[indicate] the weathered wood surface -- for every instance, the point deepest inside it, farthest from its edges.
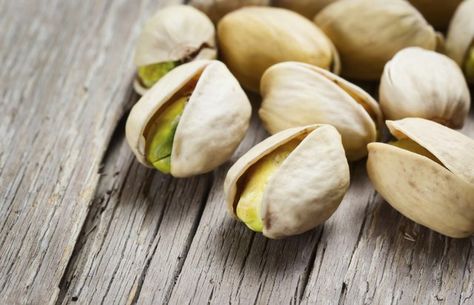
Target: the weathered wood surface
(81, 222)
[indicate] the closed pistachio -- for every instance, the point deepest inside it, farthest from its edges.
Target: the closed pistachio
(424, 84)
(297, 94)
(367, 33)
(173, 36)
(289, 183)
(307, 8)
(427, 175)
(254, 38)
(460, 41)
(190, 121)
(216, 9)
(438, 13)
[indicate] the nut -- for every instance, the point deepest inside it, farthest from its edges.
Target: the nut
(307, 8)
(428, 175)
(173, 36)
(437, 13)
(216, 9)
(460, 41)
(297, 94)
(254, 38)
(424, 84)
(367, 33)
(289, 183)
(190, 121)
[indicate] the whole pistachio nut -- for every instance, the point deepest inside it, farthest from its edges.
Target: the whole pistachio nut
(216, 9)
(298, 94)
(173, 36)
(367, 33)
(190, 121)
(307, 8)
(427, 175)
(460, 41)
(289, 183)
(438, 13)
(254, 38)
(425, 84)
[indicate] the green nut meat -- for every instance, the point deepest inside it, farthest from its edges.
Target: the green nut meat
(469, 65)
(150, 74)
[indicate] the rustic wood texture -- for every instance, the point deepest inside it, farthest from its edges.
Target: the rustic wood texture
(81, 222)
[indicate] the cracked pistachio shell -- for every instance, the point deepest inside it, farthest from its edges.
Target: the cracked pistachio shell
(254, 38)
(460, 40)
(216, 9)
(438, 195)
(297, 94)
(424, 84)
(367, 33)
(212, 124)
(307, 8)
(308, 186)
(175, 33)
(438, 13)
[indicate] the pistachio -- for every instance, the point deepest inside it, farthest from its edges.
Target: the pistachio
(254, 38)
(173, 36)
(460, 41)
(438, 13)
(424, 84)
(289, 183)
(307, 8)
(367, 33)
(428, 175)
(216, 9)
(297, 94)
(190, 121)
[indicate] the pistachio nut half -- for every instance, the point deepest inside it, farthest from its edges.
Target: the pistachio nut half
(367, 33)
(425, 84)
(438, 13)
(173, 36)
(307, 8)
(254, 38)
(216, 9)
(289, 183)
(190, 121)
(427, 175)
(298, 94)
(460, 40)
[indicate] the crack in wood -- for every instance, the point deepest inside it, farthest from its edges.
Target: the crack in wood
(308, 271)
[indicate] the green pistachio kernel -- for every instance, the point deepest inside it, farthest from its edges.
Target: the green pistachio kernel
(160, 143)
(414, 147)
(255, 181)
(150, 74)
(469, 64)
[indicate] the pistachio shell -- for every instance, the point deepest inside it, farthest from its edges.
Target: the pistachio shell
(306, 189)
(213, 122)
(275, 35)
(438, 13)
(367, 33)
(297, 94)
(425, 84)
(216, 9)
(307, 8)
(439, 195)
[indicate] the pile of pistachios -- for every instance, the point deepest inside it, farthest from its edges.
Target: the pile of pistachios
(195, 63)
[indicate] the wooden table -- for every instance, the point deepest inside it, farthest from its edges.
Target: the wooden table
(81, 222)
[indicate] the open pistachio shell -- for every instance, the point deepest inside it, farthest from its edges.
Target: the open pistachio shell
(174, 35)
(216, 9)
(367, 33)
(307, 8)
(425, 84)
(438, 13)
(254, 38)
(307, 187)
(213, 123)
(460, 40)
(435, 190)
(297, 94)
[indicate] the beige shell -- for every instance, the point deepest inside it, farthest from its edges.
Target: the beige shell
(308, 186)
(307, 8)
(367, 33)
(212, 125)
(424, 84)
(216, 9)
(175, 33)
(437, 195)
(438, 13)
(297, 94)
(254, 38)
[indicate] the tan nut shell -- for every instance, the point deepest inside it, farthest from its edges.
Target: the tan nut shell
(440, 197)
(216, 9)
(254, 38)
(212, 125)
(424, 84)
(438, 13)
(367, 33)
(297, 94)
(306, 189)
(307, 8)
